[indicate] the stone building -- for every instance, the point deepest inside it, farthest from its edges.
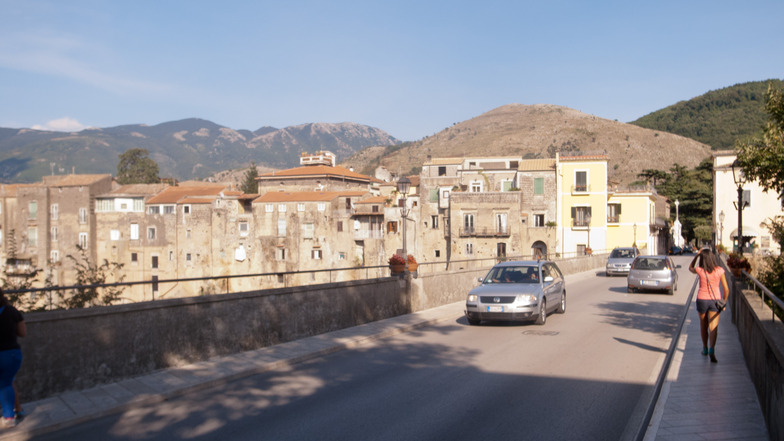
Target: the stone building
(44, 223)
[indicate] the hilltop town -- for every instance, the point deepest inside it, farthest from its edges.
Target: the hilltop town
(315, 223)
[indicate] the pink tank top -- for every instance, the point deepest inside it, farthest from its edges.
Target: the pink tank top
(715, 282)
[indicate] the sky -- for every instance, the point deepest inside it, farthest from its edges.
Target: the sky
(408, 67)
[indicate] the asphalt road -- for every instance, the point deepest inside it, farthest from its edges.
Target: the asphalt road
(585, 375)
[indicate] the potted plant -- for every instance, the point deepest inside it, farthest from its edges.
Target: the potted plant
(737, 262)
(397, 264)
(412, 263)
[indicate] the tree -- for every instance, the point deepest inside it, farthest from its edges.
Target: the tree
(762, 158)
(135, 167)
(89, 274)
(250, 185)
(653, 175)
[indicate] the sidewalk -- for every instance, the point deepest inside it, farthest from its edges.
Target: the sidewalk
(76, 407)
(701, 400)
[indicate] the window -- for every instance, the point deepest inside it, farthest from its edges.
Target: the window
(282, 227)
(168, 209)
(187, 257)
(340, 226)
(301, 206)
(280, 254)
(442, 171)
(468, 223)
(134, 232)
(307, 230)
(83, 241)
(538, 185)
(151, 233)
(54, 233)
(507, 186)
(341, 255)
(54, 256)
(243, 227)
(469, 248)
(138, 205)
(269, 208)
(476, 187)
(32, 210)
(322, 206)
(154, 209)
(392, 227)
(374, 209)
(171, 256)
(114, 235)
(316, 254)
(82, 215)
(436, 253)
(188, 233)
(581, 216)
(54, 210)
(434, 221)
(134, 257)
(281, 208)
(613, 213)
(500, 223)
(104, 205)
(581, 181)
(32, 237)
(433, 195)
(154, 284)
(154, 262)
(186, 209)
(539, 220)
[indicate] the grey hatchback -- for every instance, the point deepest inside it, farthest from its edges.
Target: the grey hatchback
(655, 273)
(518, 291)
(620, 261)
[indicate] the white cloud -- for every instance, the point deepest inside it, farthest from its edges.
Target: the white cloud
(61, 125)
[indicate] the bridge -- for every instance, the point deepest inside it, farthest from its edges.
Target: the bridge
(615, 366)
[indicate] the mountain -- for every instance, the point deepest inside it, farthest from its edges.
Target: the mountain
(538, 131)
(187, 149)
(717, 118)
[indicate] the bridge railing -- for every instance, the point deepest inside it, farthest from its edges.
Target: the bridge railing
(776, 305)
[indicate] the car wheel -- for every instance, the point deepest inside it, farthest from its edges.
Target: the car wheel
(629, 289)
(473, 322)
(671, 291)
(562, 306)
(542, 318)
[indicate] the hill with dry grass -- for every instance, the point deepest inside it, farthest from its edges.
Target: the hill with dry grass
(538, 131)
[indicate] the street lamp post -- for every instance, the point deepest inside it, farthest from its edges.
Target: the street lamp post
(721, 228)
(737, 176)
(635, 234)
(588, 223)
(403, 185)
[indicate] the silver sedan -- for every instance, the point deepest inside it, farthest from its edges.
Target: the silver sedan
(518, 291)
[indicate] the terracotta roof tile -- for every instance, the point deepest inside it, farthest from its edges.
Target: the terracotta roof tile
(537, 164)
(584, 158)
(372, 200)
(73, 180)
(172, 195)
(315, 170)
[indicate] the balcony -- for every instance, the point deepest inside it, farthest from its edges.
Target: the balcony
(368, 234)
(484, 232)
(581, 189)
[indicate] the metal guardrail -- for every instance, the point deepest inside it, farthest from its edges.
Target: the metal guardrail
(765, 292)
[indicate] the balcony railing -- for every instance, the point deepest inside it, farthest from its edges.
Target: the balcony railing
(484, 232)
(581, 189)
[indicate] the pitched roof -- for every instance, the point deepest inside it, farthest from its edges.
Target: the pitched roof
(584, 158)
(73, 180)
(172, 195)
(372, 200)
(537, 164)
(313, 171)
(305, 196)
(445, 161)
(131, 190)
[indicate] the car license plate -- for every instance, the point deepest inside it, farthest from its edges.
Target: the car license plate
(495, 309)
(650, 282)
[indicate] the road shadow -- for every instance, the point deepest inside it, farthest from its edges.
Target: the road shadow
(649, 316)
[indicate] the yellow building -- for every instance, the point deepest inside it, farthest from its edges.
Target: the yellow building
(631, 219)
(582, 207)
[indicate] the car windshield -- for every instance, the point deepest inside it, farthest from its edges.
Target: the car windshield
(621, 254)
(649, 263)
(513, 274)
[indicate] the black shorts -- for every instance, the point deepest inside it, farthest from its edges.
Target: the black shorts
(704, 306)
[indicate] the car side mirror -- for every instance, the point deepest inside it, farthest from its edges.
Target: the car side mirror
(548, 279)
(480, 279)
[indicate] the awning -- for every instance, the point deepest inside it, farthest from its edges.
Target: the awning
(747, 232)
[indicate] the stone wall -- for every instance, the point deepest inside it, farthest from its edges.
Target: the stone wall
(762, 339)
(81, 348)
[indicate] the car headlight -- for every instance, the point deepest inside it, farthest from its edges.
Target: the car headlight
(526, 298)
(473, 297)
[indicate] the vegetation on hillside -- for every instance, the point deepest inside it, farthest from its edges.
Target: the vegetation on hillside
(717, 118)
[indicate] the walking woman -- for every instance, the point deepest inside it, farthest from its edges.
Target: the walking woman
(12, 325)
(711, 277)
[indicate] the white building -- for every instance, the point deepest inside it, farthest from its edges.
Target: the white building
(759, 207)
